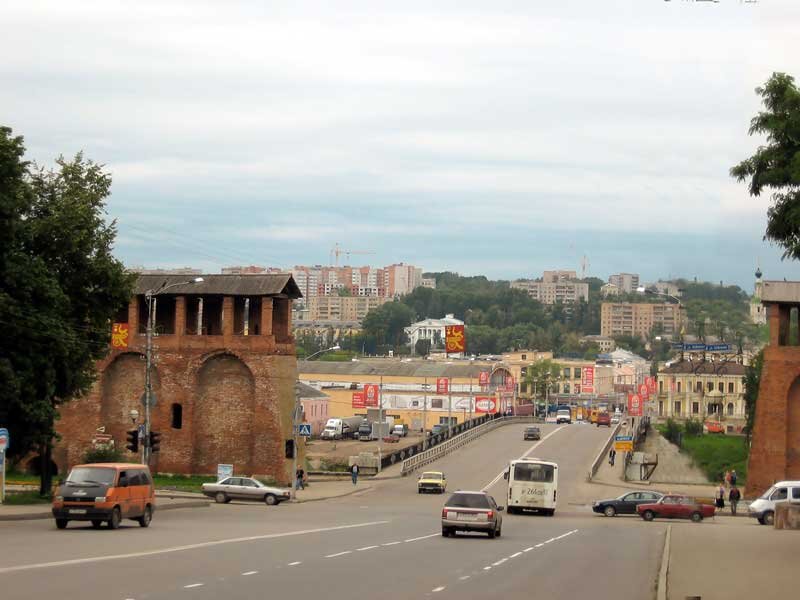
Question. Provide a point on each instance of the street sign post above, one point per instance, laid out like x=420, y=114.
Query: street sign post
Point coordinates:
x=304, y=429
x=5, y=440
x=623, y=443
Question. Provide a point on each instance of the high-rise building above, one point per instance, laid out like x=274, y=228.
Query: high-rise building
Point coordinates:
x=555, y=287
x=625, y=282
x=401, y=279
x=639, y=319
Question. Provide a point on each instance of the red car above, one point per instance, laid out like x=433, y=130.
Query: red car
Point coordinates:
x=676, y=507
x=604, y=419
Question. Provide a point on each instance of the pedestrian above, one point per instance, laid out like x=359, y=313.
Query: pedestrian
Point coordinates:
x=354, y=473
x=727, y=479
x=612, y=456
x=734, y=497
x=299, y=475
x=721, y=497
x=733, y=478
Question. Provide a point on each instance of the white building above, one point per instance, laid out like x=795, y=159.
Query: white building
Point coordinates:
x=625, y=282
x=430, y=329
x=758, y=312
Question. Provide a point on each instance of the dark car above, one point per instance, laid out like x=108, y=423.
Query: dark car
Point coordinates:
x=625, y=504
x=676, y=507
x=532, y=433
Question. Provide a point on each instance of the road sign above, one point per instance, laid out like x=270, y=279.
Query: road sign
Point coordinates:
x=718, y=347
x=224, y=471
x=623, y=443
x=5, y=439
x=141, y=432
x=304, y=429
x=153, y=399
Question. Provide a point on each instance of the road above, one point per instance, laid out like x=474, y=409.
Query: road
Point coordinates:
x=384, y=542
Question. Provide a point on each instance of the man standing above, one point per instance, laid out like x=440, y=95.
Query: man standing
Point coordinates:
x=733, y=478
x=354, y=473
x=734, y=497
x=299, y=476
x=612, y=456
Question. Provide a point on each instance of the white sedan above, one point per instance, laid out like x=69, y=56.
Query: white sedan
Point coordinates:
x=245, y=488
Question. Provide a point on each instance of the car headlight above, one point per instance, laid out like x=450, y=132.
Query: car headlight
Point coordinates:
x=100, y=499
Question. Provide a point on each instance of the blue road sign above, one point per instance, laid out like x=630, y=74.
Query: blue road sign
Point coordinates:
x=694, y=347
x=718, y=347
x=623, y=438
x=304, y=429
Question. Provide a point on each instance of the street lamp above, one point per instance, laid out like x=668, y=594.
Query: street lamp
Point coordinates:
x=148, y=387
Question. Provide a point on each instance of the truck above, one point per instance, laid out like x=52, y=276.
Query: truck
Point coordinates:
x=373, y=430
x=336, y=429
x=564, y=415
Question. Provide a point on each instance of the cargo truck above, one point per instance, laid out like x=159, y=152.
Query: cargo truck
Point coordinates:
x=337, y=429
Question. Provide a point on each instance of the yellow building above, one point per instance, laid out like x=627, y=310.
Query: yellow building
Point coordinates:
x=638, y=319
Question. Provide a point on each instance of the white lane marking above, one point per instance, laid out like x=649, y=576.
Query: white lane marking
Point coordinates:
x=192, y=585
x=528, y=549
x=269, y=536
x=486, y=568
x=527, y=453
x=539, y=545
x=424, y=537
x=499, y=562
x=391, y=543
x=246, y=573
x=367, y=548
x=339, y=554
x=515, y=555
x=295, y=563
x=438, y=589
x=464, y=578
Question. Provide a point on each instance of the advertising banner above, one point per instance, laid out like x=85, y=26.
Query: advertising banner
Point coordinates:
x=623, y=443
x=644, y=392
x=483, y=378
x=587, y=380
x=635, y=405
x=442, y=385
x=454, y=339
x=485, y=404
x=509, y=384
x=359, y=400
x=119, y=335
x=371, y=392
x=651, y=385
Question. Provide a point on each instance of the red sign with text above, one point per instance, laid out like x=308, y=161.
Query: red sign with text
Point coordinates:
x=651, y=384
x=587, y=380
x=359, y=401
x=644, y=392
x=634, y=405
x=442, y=385
x=483, y=378
x=485, y=404
x=509, y=384
x=371, y=393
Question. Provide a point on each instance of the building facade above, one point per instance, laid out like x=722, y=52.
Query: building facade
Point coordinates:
x=639, y=319
x=342, y=308
x=561, y=292
x=431, y=330
x=625, y=282
x=223, y=377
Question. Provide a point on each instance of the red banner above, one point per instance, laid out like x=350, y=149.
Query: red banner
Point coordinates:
x=442, y=385
x=371, y=393
x=485, y=404
x=483, y=378
x=359, y=400
x=509, y=384
x=651, y=384
x=587, y=380
x=634, y=405
x=454, y=339
x=119, y=335
x=644, y=392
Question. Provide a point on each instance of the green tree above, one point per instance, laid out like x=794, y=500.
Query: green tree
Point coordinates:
x=776, y=166
x=60, y=288
x=386, y=323
x=540, y=375
x=752, y=381
x=422, y=347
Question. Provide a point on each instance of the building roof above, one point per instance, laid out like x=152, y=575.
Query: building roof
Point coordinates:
x=395, y=368
x=781, y=291
x=686, y=367
x=447, y=320
x=308, y=392
x=229, y=285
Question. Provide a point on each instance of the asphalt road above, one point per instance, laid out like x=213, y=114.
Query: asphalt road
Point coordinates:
x=380, y=543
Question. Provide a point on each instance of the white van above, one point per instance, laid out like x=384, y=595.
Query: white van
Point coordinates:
x=564, y=415
x=532, y=484
x=763, y=509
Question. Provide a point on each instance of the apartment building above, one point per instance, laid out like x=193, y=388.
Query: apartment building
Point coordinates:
x=639, y=319
x=401, y=279
x=341, y=308
x=625, y=282
x=563, y=291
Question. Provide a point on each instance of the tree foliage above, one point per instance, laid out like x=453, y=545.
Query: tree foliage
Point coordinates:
x=540, y=375
x=60, y=287
x=776, y=165
x=752, y=381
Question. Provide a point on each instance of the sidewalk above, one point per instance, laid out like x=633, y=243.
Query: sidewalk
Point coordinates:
x=325, y=490
x=27, y=512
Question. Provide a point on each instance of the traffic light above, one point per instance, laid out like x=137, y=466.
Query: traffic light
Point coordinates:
x=132, y=438
x=155, y=441
x=289, y=448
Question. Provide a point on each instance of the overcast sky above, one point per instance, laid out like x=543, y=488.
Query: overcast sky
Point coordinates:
x=500, y=138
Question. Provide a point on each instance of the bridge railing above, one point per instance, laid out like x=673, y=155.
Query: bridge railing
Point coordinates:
x=428, y=456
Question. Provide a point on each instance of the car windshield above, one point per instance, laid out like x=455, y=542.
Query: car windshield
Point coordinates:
x=468, y=501
x=533, y=472
x=768, y=493
x=92, y=475
x=431, y=475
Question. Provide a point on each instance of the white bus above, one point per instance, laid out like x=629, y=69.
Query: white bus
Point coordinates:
x=532, y=484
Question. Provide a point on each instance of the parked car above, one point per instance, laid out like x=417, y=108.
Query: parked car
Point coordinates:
x=625, y=504
x=400, y=430
x=432, y=481
x=604, y=419
x=763, y=509
x=532, y=433
x=438, y=428
x=245, y=488
x=676, y=507
x=472, y=511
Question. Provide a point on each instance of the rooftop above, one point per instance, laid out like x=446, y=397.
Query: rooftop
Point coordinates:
x=394, y=368
x=228, y=285
x=781, y=291
x=686, y=367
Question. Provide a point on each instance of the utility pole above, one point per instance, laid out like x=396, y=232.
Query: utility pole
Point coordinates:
x=449, y=405
x=380, y=424
x=148, y=388
x=298, y=409
x=470, y=397
x=425, y=414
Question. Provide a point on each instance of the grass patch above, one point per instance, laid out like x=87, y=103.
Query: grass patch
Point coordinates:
x=192, y=483
x=15, y=477
x=21, y=498
x=715, y=454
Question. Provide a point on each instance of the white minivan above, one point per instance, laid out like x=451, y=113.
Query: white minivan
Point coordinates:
x=763, y=509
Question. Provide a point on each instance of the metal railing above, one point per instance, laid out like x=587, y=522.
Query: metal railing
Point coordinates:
x=603, y=452
x=428, y=456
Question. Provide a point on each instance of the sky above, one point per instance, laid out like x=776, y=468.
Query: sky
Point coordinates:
x=499, y=138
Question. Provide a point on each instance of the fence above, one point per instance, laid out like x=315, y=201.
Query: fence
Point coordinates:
x=446, y=446
x=639, y=433
x=602, y=455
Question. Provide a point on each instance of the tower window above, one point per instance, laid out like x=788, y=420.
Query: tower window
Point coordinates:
x=177, y=416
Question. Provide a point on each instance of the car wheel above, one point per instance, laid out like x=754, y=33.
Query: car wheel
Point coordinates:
x=445, y=532
x=696, y=517
x=61, y=523
x=760, y=520
x=116, y=518
x=97, y=524
x=144, y=520
x=610, y=511
x=270, y=499
x=220, y=498
x=769, y=518
x=419, y=491
x=491, y=533
x=648, y=515
x=499, y=531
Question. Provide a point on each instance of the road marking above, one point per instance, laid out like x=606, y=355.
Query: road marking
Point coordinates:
x=246, y=573
x=424, y=537
x=464, y=578
x=367, y=548
x=339, y=554
x=499, y=562
x=486, y=568
x=538, y=545
x=193, y=585
x=515, y=555
x=527, y=453
x=528, y=549
x=391, y=543
x=438, y=589
x=269, y=536
x=295, y=563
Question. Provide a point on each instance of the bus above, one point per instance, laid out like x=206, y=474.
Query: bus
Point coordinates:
x=532, y=485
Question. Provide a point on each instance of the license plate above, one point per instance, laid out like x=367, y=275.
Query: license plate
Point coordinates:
x=77, y=511
x=467, y=517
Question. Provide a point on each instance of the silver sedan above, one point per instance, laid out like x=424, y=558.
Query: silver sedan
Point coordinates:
x=245, y=488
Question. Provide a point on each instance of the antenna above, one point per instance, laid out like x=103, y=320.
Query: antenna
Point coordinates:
x=584, y=266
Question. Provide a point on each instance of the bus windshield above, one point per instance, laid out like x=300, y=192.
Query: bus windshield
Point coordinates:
x=533, y=472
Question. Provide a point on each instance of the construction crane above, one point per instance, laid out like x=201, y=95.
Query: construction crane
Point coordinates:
x=336, y=252
x=584, y=266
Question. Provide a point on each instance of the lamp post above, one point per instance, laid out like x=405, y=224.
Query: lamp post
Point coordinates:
x=148, y=386
x=298, y=411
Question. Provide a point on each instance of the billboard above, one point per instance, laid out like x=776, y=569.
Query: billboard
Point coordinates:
x=359, y=400
x=635, y=405
x=454, y=339
x=644, y=391
x=485, y=404
x=510, y=384
x=442, y=385
x=119, y=335
x=483, y=378
x=371, y=393
x=587, y=380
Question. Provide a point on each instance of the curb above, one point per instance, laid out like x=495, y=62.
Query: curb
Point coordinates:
x=350, y=493
x=661, y=589
x=48, y=515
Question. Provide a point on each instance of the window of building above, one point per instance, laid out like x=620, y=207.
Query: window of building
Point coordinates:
x=566, y=388
x=730, y=409
x=177, y=416
x=679, y=387
x=730, y=387
x=695, y=408
x=436, y=403
x=699, y=386
x=710, y=386
x=677, y=408
x=721, y=387
x=661, y=387
x=567, y=373
x=524, y=357
x=660, y=408
x=576, y=373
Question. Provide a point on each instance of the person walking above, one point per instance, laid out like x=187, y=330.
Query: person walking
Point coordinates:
x=733, y=478
x=299, y=475
x=354, y=474
x=734, y=497
x=720, y=502
x=727, y=479
x=612, y=455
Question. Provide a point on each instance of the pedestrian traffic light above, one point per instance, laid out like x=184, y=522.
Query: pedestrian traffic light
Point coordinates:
x=289, y=448
x=132, y=437
x=155, y=441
